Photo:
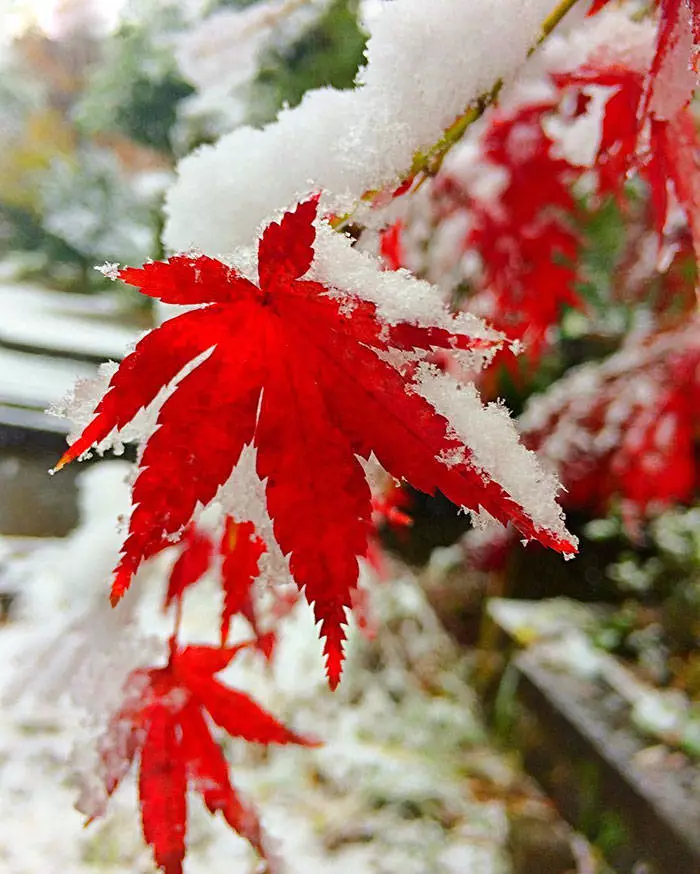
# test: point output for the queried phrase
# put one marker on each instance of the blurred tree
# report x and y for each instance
(328, 53)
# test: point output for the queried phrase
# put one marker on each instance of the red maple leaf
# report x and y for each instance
(664, 151)
(297, 370)
(192, 563)
(241, 549)
(164, 722)
(597, 6)
(390, 246)
(526, 240)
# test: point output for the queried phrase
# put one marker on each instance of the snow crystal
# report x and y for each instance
(397, 295)
(347, 142)
(490, 434)
(78, 405)
(109, 269)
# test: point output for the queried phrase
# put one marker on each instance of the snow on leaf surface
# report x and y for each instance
(301, 372)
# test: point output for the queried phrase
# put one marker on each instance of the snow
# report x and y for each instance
(399, 735)
(398, 295)
(346, 142)
(221, 55)
(60, 322)
(489, 432)
(37, 380)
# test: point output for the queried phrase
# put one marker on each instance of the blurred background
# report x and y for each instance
(503, 711)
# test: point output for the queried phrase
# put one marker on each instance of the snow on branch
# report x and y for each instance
(425, 63)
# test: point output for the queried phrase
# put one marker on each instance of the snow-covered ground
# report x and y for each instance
(392, 790)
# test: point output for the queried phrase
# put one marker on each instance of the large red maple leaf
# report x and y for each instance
(298, 370)
(164, 722)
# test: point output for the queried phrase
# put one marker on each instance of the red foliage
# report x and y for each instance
(164, 721)
(390, 247)
(646, 133)
(526, 241)
(597, 5)
(241, 549)
(192, 563)
(297, 372)
(626, 430)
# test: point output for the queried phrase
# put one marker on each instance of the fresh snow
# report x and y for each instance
(490, 434)
(347, 142)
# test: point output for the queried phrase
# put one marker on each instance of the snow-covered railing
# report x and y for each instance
(48, 341)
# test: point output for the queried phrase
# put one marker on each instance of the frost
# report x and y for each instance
(109, 269)
(346, 142)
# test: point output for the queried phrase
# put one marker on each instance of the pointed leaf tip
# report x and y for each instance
(286, 248)
(120, 584)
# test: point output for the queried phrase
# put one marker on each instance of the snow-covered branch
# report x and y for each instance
(425, 63)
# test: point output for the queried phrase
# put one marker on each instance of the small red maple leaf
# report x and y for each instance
(297, 370)
(241, 550)
(192, 563)
(164, 722)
